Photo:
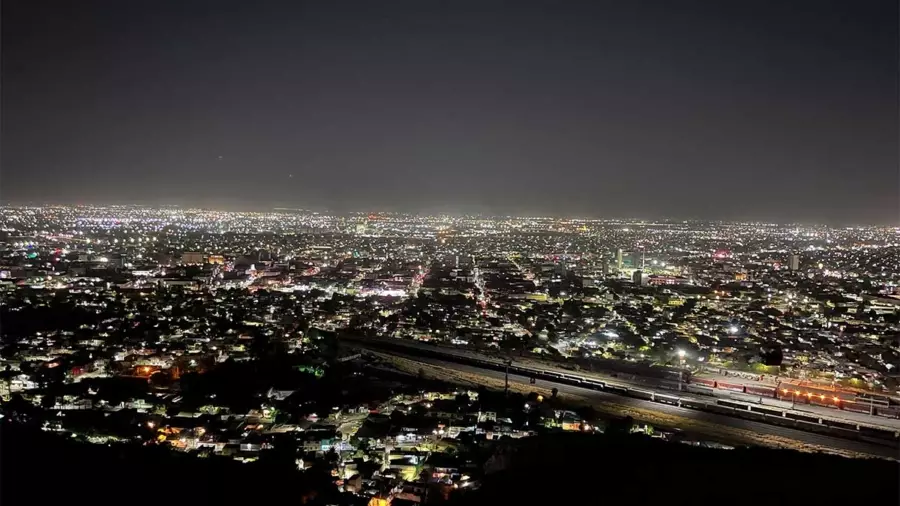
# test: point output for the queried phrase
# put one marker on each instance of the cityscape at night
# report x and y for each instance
(394, 343)
(412, 252)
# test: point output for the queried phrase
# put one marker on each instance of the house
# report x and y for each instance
(319, 440)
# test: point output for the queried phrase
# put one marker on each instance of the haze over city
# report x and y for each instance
(753, 111)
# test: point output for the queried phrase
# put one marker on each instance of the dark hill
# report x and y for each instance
(587, 469)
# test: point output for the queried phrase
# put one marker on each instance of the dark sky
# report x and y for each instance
(745, 109)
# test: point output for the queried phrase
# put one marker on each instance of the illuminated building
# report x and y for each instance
(794, 262)
(191, 258)
(665, 280)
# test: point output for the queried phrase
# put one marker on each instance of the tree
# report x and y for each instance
(620, 426)
(21, 410)
(259, 346)
(572, 308)
(282, 455)
(587, 413)
(48, 401)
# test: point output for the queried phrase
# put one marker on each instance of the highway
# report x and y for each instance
(663, 386)
(862, 447)
(760, 428)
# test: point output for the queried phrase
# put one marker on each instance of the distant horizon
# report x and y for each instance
(461, 214)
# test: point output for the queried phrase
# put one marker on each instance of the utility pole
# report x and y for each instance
(506, 382)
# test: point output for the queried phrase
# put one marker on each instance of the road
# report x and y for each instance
(728, 421)
(654, 384)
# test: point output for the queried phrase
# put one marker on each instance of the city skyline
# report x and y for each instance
(374, 214)
(772, 112)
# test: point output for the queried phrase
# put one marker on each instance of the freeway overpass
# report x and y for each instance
(805, 427)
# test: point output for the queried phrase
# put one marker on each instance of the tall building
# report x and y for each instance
(639, 278)
(619, 259)
(794, 262)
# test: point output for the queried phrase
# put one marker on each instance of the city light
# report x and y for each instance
(241, 289)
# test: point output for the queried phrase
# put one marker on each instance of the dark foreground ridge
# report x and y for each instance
(551, 469)
(44, 468)
(571, 468)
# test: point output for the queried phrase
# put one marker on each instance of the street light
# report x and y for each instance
(681, 370)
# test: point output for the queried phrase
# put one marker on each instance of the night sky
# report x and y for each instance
(776, 110)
